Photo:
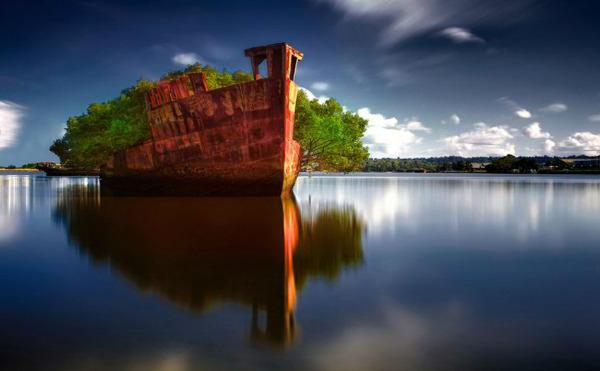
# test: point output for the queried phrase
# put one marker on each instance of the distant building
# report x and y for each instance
(583, 163)
(479, 166)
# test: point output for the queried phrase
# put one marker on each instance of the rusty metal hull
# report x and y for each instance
(236, 140)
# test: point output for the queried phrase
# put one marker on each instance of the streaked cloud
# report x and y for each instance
(11, 115)
(320, 86)
(460, 35)
(385, 137)
(581, 142)
(484, 140)
(534, 131)
(356, 74)
(555, 108)
(595, 118)
(217, 50)
(187, 59)
(396, 76)
(400, 69)
(403, 19)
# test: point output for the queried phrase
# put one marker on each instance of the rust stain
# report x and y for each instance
(235, 140)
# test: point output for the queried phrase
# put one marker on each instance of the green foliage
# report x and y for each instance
(92, 138)
(506, 164)
(526, 165)
(331, 138)
(398, 165)
(502, 165)
(418, 165)
(105, 128)
(512, 164)
(31, 165)
(460, 165)
(60, 147)
(214, 78)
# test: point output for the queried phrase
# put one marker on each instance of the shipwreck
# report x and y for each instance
(235, 140)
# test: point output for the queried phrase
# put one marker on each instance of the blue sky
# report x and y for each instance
(433, 77)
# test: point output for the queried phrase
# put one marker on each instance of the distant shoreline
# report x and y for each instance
(4, 170)
(375, 173)
(580, 172)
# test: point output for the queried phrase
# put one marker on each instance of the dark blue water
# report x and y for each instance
(420, 272)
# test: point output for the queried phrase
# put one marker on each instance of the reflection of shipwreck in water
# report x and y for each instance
(198, 252)
(234, 140)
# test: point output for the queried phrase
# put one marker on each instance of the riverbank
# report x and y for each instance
(591, 174)
(6, 170)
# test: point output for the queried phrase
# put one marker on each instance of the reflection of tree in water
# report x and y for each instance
(198, 252)
(330, 240)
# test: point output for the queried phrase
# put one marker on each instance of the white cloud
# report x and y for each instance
(534, 131)
(523, 113)
(377, 119)
(454, 119)
(484, 140)
(549, 145)
(320, 85)
(384, 137)
(461, 35)
(414, 125)
(311, 96)
(555, 108)
(582, 142)
(595, 118)
(403, 19)
(517, 109)
(11, 115)
(187, 59)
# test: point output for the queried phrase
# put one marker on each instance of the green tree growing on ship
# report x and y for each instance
(331, 138)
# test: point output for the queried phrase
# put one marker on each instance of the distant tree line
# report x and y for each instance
(31, 165)
(506, 164)
(398, 165)
(432, 164)
(526, 165)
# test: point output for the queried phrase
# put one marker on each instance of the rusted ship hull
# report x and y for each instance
(236, 140)
(54, 171)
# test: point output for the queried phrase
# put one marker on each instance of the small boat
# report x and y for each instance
(235, 140)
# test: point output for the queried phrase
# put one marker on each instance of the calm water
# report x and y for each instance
(419, 272)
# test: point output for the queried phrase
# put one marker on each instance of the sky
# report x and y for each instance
(432, 77)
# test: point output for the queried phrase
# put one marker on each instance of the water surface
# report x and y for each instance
(410, 272)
